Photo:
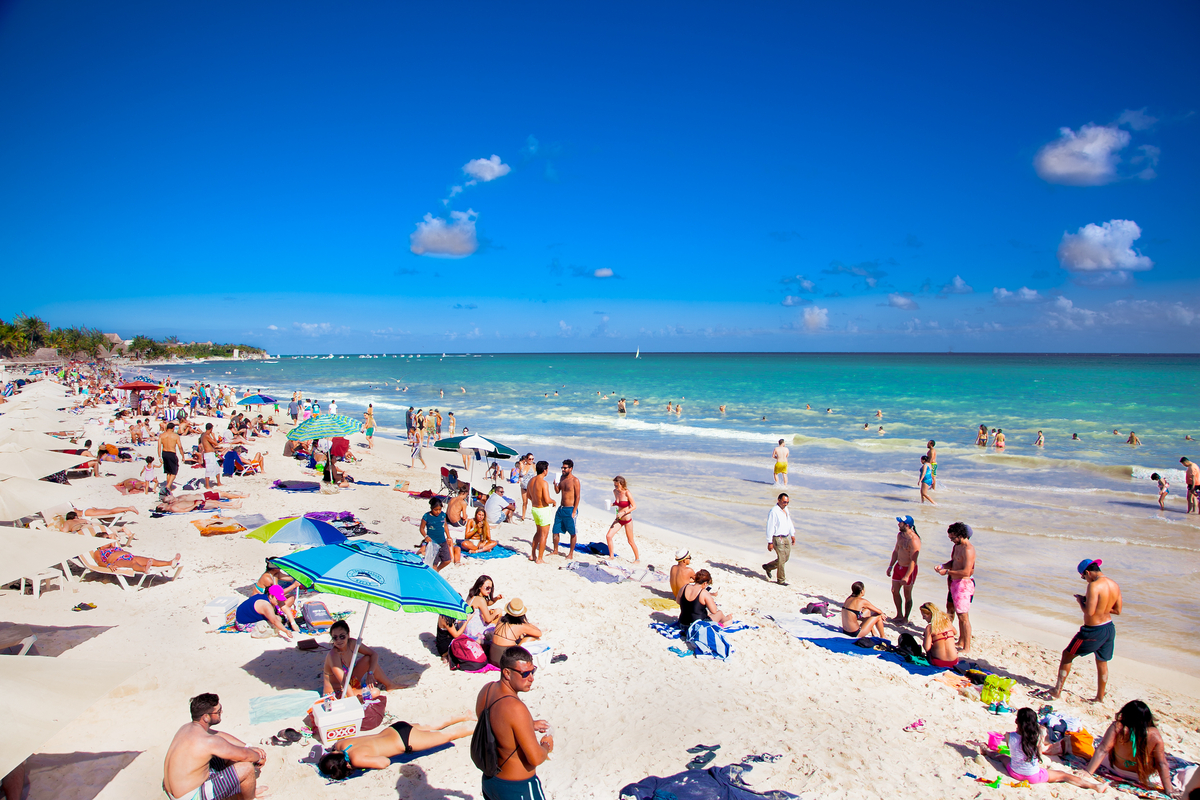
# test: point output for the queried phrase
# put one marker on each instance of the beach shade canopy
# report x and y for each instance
(43, 695)
(138, 386)
(24, 497)
(297, 530)
(377, 573)
(35, 441)
(324, 426)
(28, 463)
(29, 552)
(256, 400)
(490, 448)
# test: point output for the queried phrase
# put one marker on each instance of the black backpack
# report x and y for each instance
(483, 744)
(909, 646)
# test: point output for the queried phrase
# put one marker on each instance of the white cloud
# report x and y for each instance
(1087, 158)
(1137, 119)
(897, 300)
(455, 238)
(272, 327)
(956, 286)
(804, 283)
(1022, 295)
(564, 329)
(1107, 247)
(318, 328)
(1066, 316)
(816, 319)
(792, 300)
(603, 272)
(486, 169)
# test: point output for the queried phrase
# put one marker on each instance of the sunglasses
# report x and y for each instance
(339, 637)
(526, 673)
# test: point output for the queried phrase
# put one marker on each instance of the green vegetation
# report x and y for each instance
(25, 334)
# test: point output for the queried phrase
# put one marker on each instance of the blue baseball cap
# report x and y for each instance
(907, 521)
(1087, 562)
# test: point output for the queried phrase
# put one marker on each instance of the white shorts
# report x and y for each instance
(211, 468)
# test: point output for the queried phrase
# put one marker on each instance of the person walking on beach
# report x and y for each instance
(408, 420)
(1098, 634)
(1192, 478)
(925, 481)
(960, 574)
(514, 730)
(294, 410)
(539, 495)
(932, 453)
(188, 770)
(369, 425)
(902, 569)
(170, 453)
(568, 507)
(781, 535)
(450, 421)
(414, 439)
(780, 454)
(625, 505)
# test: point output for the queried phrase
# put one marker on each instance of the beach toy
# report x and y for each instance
(994, 740)
(990, 784)
(996, 689)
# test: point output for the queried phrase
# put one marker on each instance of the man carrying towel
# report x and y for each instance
(781, 535)
(1098, 634)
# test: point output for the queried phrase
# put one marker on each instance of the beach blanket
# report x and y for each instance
(715, 783)
(660, 603)
(671, 629)
(830, 637)
(281, 706)
(314, 758)
(370, 483)
(593, 549)
(499, 551)
(592, 572)
(1179, 768)
(331, 516)
(217, 526)
(297, 486)
(251, 521)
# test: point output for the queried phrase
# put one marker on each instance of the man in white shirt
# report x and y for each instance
(781, 535)
(498, 507)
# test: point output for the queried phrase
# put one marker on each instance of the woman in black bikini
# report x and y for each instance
(512, 630)
(859, 617)
(375, 751)
(696, 602)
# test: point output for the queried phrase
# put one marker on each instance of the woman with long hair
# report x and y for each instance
(860, 617)
(939, 645)
(1133, 748)
(376, 750)
(1025, 760)
(625, 505)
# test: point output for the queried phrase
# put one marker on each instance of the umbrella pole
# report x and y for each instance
(354, 657)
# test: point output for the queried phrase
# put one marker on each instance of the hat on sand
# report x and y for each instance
(1087, 562)
(907, 521)
(682, 553)
(515, 608)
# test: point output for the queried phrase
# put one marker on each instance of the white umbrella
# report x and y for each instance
(44, 695)
(36, 420)
(28, 552)
(35, 440)
(24, 462)
(23, 497)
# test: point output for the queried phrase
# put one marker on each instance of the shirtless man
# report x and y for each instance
(780, 454)
(367, 670)
(960, 572)
(1133, 439)
(932, 453)
(682, 573)
(187, 773)
(170, 452)
(539, 496)
(515, 730)
(209, 449)
(1192, 478)
(902, 569)
(1098, 634)
(621, 406)
(568, 508)
(456, 511)
(196, 502)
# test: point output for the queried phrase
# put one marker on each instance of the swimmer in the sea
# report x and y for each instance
(1040, 441)
(866, 426)
(879, 414)
(999, 443)
(722, 410)
(1133, 439)
(1074, 437)
(880, 431)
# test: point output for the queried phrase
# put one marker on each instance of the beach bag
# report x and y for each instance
(466, 654)
(1081, 743)
(483, 742)
(909, 646)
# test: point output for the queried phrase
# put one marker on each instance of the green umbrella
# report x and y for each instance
(476, 442)
(324, 426)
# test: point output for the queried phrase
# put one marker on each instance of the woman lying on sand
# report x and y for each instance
(375, 751)
(859, 616)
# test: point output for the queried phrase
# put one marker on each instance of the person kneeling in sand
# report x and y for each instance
(941, 649)
(376, 750)
(512, 631)
(189, 772)
(367, 669)
(859, 616)
(696, 602)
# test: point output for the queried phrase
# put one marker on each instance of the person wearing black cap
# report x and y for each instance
(1098, 634)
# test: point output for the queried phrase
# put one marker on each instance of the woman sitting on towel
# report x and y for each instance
(940, 646)
(512, 630)
(859, 616)
(696, 602)
(480, 599)
(478, 538)
(376, 750)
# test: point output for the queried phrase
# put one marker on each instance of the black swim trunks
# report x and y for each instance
(171, 463)
(1098, 639)
(404, 729)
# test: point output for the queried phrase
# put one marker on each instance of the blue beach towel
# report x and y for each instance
(830, 637)
(671, 629)
(281, 706)
(499, 551)
(370, 483)
(715, 783)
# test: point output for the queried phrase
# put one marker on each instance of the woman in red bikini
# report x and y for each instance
(625, 505)
(940, 646)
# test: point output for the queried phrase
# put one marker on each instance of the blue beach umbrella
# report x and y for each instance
(297, 530)
(324, 426)
(256, 400)
(378, 574)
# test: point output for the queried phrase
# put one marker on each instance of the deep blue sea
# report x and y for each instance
(1036, 511)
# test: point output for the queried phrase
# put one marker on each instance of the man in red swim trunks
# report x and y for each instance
(903, 567)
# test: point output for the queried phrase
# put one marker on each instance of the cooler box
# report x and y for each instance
(317, 615)
(216, 612)
(342, 721)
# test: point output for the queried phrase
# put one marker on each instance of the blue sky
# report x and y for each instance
(404, 178)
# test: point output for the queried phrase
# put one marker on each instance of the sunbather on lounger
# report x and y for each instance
(375, 751)
(113, 557)
(192, 502)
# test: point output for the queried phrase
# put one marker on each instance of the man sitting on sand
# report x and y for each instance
(189, 772)
(375, 751)
(367, 669)
(498, 507)
(682, 573)
(456, 510)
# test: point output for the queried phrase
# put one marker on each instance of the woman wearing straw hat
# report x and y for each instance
(512, 630)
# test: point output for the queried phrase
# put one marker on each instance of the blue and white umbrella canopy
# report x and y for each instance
(297, 530)
(256, 400)
(324, 426)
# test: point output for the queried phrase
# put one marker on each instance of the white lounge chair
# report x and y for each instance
(13, 634)
(89, 564)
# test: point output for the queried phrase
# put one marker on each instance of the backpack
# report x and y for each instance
(483, 742)
(466, 654)
(909, 646)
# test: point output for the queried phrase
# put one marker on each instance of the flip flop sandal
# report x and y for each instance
(84, 607)
(703, 748)
(916, 727)
(558, 659)
(702, 761)
(291, 735)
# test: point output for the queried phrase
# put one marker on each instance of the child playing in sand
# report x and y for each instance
(1025, 760)
(1164, 489)
(925, 480)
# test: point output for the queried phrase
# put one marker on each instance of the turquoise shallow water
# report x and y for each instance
(1036, 511)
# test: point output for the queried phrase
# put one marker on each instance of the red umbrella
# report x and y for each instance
(138, 386)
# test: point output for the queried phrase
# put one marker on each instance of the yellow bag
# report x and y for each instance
(1081, 743)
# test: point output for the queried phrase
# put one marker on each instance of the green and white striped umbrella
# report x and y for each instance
(324, 426)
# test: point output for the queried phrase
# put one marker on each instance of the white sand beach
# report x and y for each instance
(623, 706)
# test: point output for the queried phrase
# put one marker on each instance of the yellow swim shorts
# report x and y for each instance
(780, 466)
(543, 517)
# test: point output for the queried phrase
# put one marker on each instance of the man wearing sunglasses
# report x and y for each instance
(515, 730)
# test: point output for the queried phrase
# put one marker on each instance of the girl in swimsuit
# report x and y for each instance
(113, 557)
(1025, 761)
(625, 505)
(940, 645)
(513, 630)
(376, 750)
(859, 617)
(1133, 748)
(478, 538)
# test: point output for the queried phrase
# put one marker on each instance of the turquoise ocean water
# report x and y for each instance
(1036, 511)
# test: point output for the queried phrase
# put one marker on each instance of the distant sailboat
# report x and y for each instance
(638, 354)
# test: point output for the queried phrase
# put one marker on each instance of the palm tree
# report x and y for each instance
(12, 341)
(34, 329)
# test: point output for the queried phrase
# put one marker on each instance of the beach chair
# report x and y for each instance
(12, 634)
(89, 564)
(111, 526)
